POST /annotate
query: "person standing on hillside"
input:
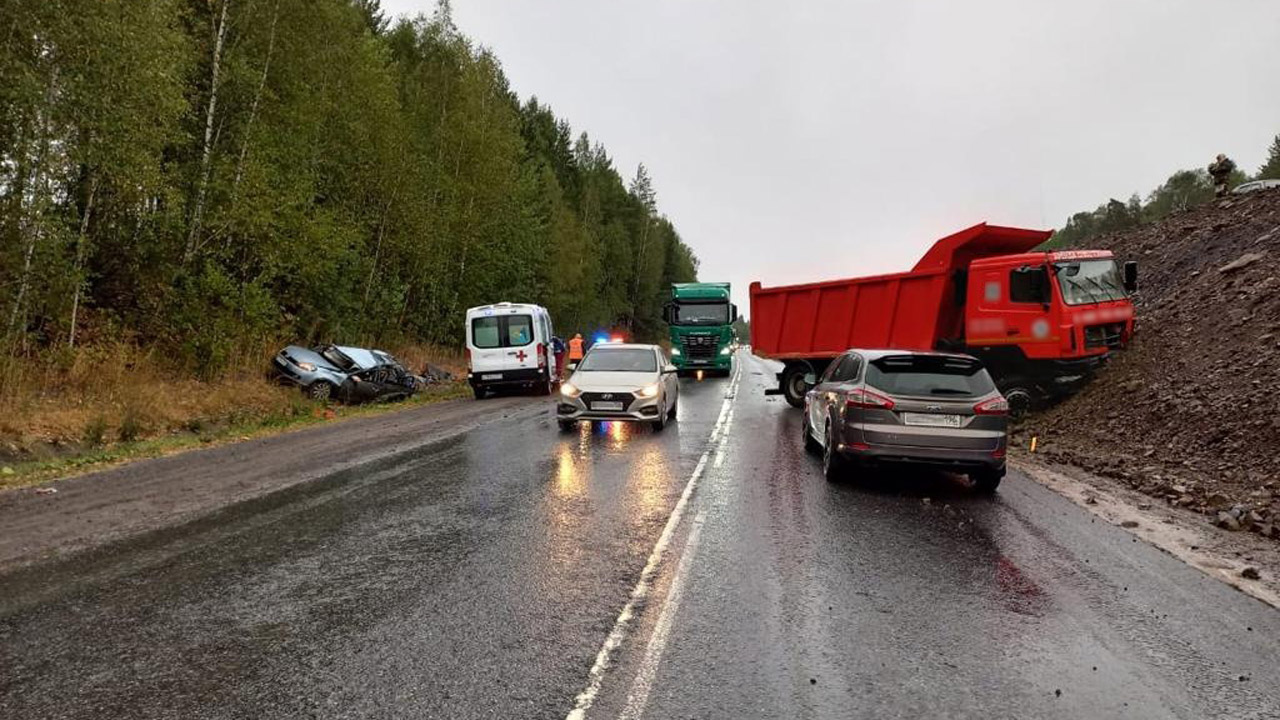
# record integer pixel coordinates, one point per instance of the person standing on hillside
(1221, 169)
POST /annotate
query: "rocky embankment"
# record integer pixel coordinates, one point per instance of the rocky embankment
(1190, 412)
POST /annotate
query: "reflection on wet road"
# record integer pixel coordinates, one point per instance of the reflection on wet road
(480, 577)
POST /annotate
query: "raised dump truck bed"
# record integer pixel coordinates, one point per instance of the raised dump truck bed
(982, 291)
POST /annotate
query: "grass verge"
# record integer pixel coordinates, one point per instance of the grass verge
(297, 415)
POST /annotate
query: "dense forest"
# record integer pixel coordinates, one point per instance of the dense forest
(1183, 189)
(209, 175)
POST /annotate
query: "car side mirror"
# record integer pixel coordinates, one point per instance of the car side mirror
(1131, 276)
(810, 379)
(668, 369)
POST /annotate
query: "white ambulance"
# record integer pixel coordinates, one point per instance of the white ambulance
(509, 346)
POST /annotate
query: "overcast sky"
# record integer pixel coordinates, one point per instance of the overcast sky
(799, 141)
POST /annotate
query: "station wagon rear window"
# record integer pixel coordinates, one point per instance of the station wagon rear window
(499, 331)
(929, 376)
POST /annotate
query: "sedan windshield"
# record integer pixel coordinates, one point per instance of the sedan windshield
(702, 313)
(1089, 281)
(619, 360)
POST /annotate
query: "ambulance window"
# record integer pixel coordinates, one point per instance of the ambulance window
(484, 332)
(502, 331)
(519, 330)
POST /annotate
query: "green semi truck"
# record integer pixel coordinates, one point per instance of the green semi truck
(701, 320)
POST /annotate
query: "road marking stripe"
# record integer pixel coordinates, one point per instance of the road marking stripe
(604, 659)
(638, 697)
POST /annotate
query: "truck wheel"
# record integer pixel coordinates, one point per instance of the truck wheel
(793, 387)
(480, 392)
(1021, 397)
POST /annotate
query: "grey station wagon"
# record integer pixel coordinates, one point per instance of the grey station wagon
(884, 407)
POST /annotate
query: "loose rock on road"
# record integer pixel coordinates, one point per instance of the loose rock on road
(487, 573)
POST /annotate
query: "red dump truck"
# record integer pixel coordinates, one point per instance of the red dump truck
(1042, 322)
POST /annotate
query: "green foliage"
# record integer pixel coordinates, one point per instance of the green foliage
(1271, 170)
(1183, 190)
(209, 174)
(96, 431)
(131, 425)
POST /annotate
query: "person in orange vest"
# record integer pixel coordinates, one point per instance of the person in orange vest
(575, 348)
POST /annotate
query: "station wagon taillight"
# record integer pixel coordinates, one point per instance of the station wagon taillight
(994, 406)
(865, 399)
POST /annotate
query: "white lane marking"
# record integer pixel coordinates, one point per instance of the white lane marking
(604, 659)
(638, 697)
(724, 410)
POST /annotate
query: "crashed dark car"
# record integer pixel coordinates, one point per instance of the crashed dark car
(348, 374)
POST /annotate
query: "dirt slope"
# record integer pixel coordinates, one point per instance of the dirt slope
(1191, 412)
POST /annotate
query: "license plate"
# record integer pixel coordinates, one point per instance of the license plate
(491, 376)
(606, 406)
(931, 420)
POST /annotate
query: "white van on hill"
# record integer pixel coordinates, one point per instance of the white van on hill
(509, 346)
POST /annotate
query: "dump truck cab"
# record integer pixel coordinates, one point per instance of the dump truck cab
(700, 318)
(1042, 322)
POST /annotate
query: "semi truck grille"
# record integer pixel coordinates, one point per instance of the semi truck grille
(1103, 335)
(699, 347)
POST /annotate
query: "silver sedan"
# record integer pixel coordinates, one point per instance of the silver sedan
(616, 381)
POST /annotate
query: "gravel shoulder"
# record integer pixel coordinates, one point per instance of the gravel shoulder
(103, 507)
(1244, 561)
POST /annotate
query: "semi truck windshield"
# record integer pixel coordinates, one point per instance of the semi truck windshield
(1089, 281)
(702, 313)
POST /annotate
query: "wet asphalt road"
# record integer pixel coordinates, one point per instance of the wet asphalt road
(479, 577)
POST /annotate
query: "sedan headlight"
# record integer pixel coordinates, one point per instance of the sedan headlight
(726, 351)
(648, 391)
(675, 351)
(569, 390)
(309, 367)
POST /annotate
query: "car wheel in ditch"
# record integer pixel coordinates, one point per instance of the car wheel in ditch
(319, 391)
(567, 425)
